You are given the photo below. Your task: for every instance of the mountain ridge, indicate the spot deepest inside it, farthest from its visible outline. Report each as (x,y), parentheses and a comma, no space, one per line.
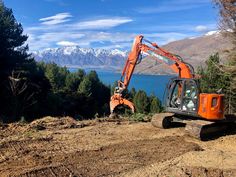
(194,50)
(77,57)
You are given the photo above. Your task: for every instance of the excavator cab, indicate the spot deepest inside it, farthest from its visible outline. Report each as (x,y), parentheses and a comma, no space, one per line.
(182,96)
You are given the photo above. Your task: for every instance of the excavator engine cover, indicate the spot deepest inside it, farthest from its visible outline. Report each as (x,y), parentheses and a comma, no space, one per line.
(211,106)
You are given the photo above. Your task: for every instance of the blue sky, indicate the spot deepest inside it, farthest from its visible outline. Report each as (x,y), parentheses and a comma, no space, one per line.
(111,23)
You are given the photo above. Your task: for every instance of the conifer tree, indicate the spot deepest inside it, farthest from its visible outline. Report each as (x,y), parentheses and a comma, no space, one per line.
(21,80)
(227,13)
(155,106)
(214,78)
(141,102)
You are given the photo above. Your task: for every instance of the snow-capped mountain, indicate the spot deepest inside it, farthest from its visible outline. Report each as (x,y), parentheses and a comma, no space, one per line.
(195,50)
(75,56)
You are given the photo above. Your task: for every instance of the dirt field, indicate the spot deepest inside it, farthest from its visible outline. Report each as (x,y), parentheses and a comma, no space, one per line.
(64,147)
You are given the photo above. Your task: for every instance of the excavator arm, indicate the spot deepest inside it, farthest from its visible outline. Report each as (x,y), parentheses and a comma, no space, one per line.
(140,44)
(127,73)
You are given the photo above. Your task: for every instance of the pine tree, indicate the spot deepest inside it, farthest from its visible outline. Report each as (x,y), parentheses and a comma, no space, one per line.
(21,80)
(141,102)
(214,78)
(85,87)
(155,106)
(227,12)
(132,93)
(72,82)
(13,53)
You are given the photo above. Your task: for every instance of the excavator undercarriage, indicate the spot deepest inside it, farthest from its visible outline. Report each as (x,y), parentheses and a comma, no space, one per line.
(194,127)
(201,114)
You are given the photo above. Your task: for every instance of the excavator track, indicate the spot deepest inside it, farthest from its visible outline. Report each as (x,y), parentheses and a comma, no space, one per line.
(202,129)
(162,120)
(196,128)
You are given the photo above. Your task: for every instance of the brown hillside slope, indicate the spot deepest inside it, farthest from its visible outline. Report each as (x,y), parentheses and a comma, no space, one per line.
(194,51)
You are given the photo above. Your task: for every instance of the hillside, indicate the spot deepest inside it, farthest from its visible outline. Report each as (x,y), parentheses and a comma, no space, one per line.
(64,147)
(194,51)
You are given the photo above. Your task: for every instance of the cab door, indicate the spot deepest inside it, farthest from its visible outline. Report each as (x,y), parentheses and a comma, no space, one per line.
(190,96)
(182,97)
(173,98)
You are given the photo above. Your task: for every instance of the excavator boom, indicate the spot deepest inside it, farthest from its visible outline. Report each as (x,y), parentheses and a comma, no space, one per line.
(154,51)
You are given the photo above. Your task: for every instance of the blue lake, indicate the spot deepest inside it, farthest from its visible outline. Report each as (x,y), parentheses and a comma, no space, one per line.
(155,84)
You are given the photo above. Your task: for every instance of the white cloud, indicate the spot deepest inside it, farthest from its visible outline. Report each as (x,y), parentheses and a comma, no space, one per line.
(87,33)
(56,19)
(102,23)
(66,43)
(46,40)
(107,40)
(201,28)
(82,33)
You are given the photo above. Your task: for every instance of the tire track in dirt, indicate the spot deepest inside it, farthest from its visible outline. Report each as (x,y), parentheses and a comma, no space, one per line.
(114,159)
(109,149)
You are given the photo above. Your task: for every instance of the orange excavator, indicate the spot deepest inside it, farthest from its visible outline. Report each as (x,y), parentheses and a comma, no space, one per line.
(202,113)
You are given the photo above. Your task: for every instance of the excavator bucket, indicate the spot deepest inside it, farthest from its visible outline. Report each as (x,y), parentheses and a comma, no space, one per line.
(117,100)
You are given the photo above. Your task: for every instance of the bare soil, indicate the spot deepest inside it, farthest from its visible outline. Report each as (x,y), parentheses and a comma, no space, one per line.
(65,147)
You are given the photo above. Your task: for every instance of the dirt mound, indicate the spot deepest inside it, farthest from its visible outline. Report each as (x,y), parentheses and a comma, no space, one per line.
(208,172)
(11,129)
(196,172)
(227,143)
(53,122)
(49,123)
